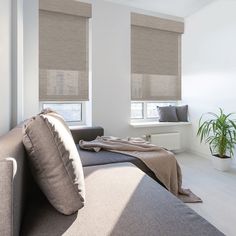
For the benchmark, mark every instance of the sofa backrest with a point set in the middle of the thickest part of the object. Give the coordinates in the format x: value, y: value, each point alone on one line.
x: 11, y: 146
x: 24, y: 187
x: 86, y: 133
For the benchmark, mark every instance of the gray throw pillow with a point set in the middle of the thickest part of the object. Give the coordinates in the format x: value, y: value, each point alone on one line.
x: 182, y: 113
x: 55, y: 162
x: 167, y: 114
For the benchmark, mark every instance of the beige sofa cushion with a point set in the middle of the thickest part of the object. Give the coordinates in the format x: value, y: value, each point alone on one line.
x: 120, y: 201
x: 55, y: 162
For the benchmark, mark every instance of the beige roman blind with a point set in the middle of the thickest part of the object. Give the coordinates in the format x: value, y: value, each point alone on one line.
x: 63, y: 50
x: 155, y: 58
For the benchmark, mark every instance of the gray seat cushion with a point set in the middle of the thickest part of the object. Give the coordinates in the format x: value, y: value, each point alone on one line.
x: 90, y: 158
x: 121, y: 200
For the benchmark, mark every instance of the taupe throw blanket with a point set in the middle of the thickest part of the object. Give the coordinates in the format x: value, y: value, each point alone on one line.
x: 162, y: 162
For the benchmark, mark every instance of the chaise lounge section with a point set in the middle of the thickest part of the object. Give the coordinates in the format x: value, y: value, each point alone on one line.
x: 121, y: 199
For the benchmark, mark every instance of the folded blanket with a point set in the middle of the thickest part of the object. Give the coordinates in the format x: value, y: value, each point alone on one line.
x: 162, y: 162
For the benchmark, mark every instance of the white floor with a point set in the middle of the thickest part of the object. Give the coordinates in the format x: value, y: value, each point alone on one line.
x: 217, y: 190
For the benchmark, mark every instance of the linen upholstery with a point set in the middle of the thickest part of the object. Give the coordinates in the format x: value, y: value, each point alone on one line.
x: 11, y: 146
x: 55, y: 162
x: 167, y: 114
x: 6, y: 189
x: 148, y: 207
x: 121, y: 200
x: 25, y: 190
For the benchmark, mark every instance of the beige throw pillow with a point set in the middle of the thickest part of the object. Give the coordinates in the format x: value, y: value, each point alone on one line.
x: 55, y: 161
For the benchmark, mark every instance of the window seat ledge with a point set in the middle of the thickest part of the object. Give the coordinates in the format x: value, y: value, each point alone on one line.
x: 158, y: 124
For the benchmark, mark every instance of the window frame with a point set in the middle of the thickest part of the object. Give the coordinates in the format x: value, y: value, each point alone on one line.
x: 145, y: 117
x: 70, y: 123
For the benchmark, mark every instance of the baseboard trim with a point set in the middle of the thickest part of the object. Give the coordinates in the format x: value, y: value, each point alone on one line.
x: 179, y: 151
x: 200, y: 154
x: 205, y: 155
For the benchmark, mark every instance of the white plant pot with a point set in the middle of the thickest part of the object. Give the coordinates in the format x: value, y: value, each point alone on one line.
x: 222, y: 164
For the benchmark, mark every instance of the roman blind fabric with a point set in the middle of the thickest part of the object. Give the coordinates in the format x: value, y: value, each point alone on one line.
x: 155, y: 58
x: 63, y: 50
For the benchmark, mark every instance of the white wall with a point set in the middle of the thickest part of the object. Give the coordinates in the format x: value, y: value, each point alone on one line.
x: 19, y: 65
x: 24, y: 96
x: 209, y: 63
x: 111, y: 67
x: 5, y: 65
x: 31, y: 64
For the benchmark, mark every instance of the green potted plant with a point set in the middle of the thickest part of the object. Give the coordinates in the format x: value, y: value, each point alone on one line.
x: 220, y: 133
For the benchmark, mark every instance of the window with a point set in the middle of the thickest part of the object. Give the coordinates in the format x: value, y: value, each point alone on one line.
x: 63, y: 57
x: 155, y: 64
x: 137, y: 110
x: 152, y: 110
x: 155, y: 59
x: 72, y: 112
x: 147, y: 110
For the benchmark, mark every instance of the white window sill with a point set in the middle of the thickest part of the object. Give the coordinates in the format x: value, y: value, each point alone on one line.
x: 158, y: 124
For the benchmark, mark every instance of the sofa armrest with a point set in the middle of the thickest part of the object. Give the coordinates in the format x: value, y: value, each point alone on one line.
x: 86, y: 133
x: 6, y: 193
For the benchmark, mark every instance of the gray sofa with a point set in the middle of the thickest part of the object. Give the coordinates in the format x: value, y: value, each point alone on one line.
x: 122, y: 198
